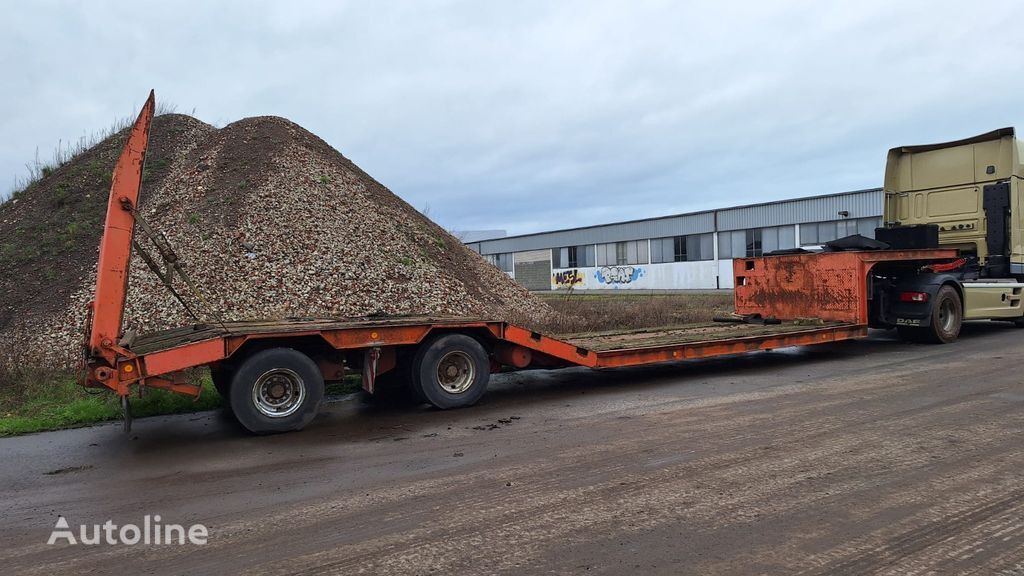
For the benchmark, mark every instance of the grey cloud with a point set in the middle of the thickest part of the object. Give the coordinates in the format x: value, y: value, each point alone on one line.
x: 533, y: 115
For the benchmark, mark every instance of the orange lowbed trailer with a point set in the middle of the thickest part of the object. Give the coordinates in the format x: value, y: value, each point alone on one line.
x: 272, y: 373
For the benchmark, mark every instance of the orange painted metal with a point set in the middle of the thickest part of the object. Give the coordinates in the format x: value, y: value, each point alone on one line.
x: 512, y: 355
x: 175, y: 386
x: 365, y: 337
x: 183, y: 357
x: 512, y: 344
x: 712, y: 348
x: 550, y: 346
x: 552, y: 351
x: 830, y: 286
x: 116, y: 245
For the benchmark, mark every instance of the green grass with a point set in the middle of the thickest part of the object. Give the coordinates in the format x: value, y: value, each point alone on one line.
x: 351, y: 383
x: 53, y: 401
x: 34, y: 401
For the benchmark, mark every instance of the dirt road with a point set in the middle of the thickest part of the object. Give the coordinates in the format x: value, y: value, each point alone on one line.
x: 865, y: 457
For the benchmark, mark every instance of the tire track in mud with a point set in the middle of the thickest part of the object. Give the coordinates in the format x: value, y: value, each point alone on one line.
x: 646, y: 481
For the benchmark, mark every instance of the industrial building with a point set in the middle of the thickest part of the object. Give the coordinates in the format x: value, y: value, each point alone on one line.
x: 684, y: 251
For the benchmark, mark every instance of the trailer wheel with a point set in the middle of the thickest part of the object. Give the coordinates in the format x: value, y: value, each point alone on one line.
x: 221, y: 377
x: 451, y: 371
x: 276, y: 390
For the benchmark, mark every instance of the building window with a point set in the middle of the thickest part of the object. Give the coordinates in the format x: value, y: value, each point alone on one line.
x: 573, y: 256
x: 866, y: 226
x: 754, y: 246
x: 732, y: 244
x: 689, y: 248
x: 622, y: 253
x: 817, y: 233
x: 755, y: 242
x: 778, y: 238
x: 502, y: 261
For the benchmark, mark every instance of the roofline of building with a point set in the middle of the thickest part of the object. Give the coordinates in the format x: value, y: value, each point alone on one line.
x: 711, y: 211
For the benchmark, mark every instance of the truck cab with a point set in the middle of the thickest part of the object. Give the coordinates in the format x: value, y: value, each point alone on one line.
x: 970, y: 189
x: 964, y: 195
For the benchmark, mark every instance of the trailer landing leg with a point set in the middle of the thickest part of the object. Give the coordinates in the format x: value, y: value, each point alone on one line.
x: 126, y: 413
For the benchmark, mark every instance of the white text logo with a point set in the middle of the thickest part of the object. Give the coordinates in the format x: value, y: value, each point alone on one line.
x: 151, y: 532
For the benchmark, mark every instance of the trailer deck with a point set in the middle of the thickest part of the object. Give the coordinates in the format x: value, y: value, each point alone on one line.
x: 605, y: 341
x: 610, y: 341
x: 167, y: 351
x: 162, y: 340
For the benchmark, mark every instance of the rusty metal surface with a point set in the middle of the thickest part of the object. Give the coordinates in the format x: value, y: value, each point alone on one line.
x: 830, y: 286
x: 688, y: 334
x: 180, y: 348
x: 738, y: 344
x: 669, y: 344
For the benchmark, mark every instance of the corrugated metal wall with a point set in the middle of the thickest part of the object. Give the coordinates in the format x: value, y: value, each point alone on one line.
x: 635, y: 230
x: 859, y: 204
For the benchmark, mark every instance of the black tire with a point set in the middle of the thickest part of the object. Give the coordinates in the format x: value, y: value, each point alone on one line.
x: 276, y: 390
x: 947, y: 317
x: 451, y: 371
x: 1019, y: 322
x: 221, y: 376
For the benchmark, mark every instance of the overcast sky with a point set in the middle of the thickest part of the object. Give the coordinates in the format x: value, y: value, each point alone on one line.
x: 530, y: 116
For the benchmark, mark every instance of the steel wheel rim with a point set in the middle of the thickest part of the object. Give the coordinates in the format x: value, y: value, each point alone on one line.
x: 947, y: 316
x: 278, y: 393
x: 456, y: 372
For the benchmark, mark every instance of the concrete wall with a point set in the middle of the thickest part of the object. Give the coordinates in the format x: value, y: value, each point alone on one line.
x: 533, y: 269
x: 691, y: 275
x: 725, y: 279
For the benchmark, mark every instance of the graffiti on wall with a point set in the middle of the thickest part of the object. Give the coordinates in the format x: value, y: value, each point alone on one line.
x: 618, y: 274
x: 567, y: 278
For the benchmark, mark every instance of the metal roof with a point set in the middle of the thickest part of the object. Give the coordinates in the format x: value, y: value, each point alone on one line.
x: 859, y: 204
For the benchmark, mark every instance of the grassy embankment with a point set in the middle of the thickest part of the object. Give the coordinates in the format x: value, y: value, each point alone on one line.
x: 38, y: 402
x: 33, y: 401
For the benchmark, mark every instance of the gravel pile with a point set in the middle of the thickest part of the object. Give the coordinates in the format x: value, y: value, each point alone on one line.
x: 270, y: 222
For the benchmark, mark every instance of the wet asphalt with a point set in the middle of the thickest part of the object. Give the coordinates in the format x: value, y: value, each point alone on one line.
x: 864, y: 457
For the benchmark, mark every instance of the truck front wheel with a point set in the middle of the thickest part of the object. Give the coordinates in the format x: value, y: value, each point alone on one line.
x: 946, y: 319
x: 276, y: 390
x: 451, y: 371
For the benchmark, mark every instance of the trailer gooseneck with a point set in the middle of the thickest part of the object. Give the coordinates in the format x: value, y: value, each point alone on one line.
x: 272, y: 372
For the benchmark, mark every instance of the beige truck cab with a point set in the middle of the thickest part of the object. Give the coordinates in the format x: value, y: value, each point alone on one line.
x: 971, y: 191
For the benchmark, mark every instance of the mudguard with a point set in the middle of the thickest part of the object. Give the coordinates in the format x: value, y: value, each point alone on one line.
x: 918, y: 313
